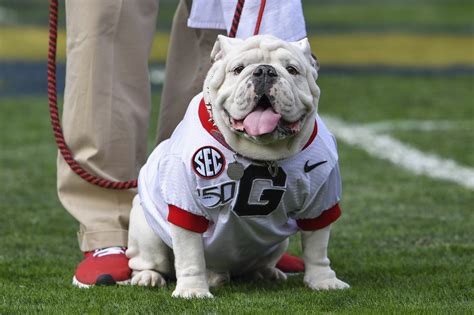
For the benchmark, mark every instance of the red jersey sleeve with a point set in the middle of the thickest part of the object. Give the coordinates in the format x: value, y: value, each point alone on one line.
x: 187, y: 220
x: 327, y: 217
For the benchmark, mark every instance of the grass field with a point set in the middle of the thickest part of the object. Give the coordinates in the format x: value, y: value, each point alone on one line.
x: 404, y: 242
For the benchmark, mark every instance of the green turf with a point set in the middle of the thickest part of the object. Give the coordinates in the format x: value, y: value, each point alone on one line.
x: 371, y: 99
x: 390, y: 15
x: 404, y: 242
x: 450, y: 144
x: 375, y: 98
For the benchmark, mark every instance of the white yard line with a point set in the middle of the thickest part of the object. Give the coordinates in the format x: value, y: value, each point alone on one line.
x: 421, y: 125
x: 400, y: 154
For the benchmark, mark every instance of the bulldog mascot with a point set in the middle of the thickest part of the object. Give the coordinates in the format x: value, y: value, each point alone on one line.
x: 250, y: 165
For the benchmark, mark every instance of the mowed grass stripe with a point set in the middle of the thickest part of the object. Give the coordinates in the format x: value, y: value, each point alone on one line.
x: 392, y: 49
x: 392, y: 13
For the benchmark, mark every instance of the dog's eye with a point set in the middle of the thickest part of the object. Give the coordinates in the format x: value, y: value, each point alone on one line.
x: 292, y: 70
x: 237, y: 70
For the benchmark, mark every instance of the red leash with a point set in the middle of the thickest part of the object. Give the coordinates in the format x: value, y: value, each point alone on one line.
x: 54, y: 113
x: 53, y: 105
x: 238, y: 12
x: 236, y: 20
x: 260, y: 16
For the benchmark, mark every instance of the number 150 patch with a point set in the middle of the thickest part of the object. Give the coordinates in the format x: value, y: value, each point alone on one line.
x: 214, y: 196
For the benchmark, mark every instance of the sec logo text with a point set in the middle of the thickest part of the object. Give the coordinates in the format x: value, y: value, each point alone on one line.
x: 208, y: 162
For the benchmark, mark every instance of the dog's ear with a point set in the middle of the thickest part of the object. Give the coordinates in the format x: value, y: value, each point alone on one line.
x: 315, y: 62
x: 222, y: 46
x: 304, y: 46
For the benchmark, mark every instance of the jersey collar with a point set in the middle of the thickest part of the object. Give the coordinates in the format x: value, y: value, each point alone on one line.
x: 208, y: 124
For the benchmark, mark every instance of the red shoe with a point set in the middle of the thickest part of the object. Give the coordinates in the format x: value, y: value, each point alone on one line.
x: 106, y: 266
x: 290, y: 264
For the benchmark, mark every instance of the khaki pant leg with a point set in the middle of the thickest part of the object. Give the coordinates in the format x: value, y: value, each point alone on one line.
x: 186, y: 66
x: 106, y: 111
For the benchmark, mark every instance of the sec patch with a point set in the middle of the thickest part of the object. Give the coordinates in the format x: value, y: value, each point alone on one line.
x: 208, y: 162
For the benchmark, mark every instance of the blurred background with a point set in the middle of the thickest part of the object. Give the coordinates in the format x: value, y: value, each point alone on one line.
x: 348, y: 36
x: 397, y: 81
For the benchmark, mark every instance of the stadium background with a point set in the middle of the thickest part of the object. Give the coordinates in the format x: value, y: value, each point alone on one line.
x: 397, y: 91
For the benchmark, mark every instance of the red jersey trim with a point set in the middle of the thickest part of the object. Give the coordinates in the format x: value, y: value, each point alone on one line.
x: 326, y: 218
x: 187, y: 220
x: 207, y: 124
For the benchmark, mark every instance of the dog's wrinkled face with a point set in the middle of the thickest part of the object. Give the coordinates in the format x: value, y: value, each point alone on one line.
x: 263, y: 95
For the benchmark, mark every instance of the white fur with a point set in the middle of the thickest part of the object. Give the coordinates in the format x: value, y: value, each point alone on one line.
x: 150, y: 260
x: 318, y: 273
x: 295, y: 96
x: 149, y: 256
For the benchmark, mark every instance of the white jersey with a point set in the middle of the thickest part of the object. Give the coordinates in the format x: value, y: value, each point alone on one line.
x: 244, y: 208
x: 283, y: 19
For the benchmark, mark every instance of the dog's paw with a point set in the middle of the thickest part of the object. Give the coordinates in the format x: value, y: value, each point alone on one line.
x: 148, y: 278
x: 215, y: 279
x: 327, y: 284
x: 268, y: 273
x: 192, y: 293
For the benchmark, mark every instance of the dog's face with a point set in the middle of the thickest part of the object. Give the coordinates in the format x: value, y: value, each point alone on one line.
x: 263, y: 95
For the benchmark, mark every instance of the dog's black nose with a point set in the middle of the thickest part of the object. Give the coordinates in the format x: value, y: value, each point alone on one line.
x: 265, y: 70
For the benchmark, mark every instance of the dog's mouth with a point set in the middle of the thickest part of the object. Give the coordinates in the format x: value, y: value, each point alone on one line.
x: 263, y: 119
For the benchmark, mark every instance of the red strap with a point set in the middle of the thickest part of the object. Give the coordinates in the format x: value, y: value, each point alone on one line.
x: 235, y: 21
x: 187, y: 220
x: 238, y: 12
x: 260, y: 16
x: 326, y: 218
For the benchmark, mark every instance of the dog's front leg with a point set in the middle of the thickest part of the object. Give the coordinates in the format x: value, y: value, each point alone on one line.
x: 189, y: 263
x: 318, y: 273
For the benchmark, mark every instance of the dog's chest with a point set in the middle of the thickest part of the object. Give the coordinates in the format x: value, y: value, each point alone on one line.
x: 262, y: 190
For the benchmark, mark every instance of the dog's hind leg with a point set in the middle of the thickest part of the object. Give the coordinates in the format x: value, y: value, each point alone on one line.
x: 149, y: 255
x: 217, y: 279
x: 268, y: 271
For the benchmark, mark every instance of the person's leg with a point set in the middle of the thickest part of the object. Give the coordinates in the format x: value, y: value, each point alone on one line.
x: 106, y: 111
x: 186, y: 66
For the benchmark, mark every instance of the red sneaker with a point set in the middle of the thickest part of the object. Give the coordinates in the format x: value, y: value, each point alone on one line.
x: 290, y: 264
x: 106, y: 266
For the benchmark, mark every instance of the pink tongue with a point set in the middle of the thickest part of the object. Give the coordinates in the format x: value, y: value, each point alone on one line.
x: 261, y: 121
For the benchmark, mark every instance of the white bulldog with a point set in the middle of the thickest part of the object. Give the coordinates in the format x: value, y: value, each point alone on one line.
x: 264, y: 95
x: 259, y: 110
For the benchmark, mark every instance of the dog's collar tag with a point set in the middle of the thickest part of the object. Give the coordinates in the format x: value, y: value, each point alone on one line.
x: 235, y: 170
x: 272, y: 168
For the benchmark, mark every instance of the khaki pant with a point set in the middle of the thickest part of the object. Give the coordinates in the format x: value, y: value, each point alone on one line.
x: 186, y: 67
x: 107, y: 104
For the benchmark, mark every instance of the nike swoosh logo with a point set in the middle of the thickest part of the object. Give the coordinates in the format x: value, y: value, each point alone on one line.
x: 309, y: 168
